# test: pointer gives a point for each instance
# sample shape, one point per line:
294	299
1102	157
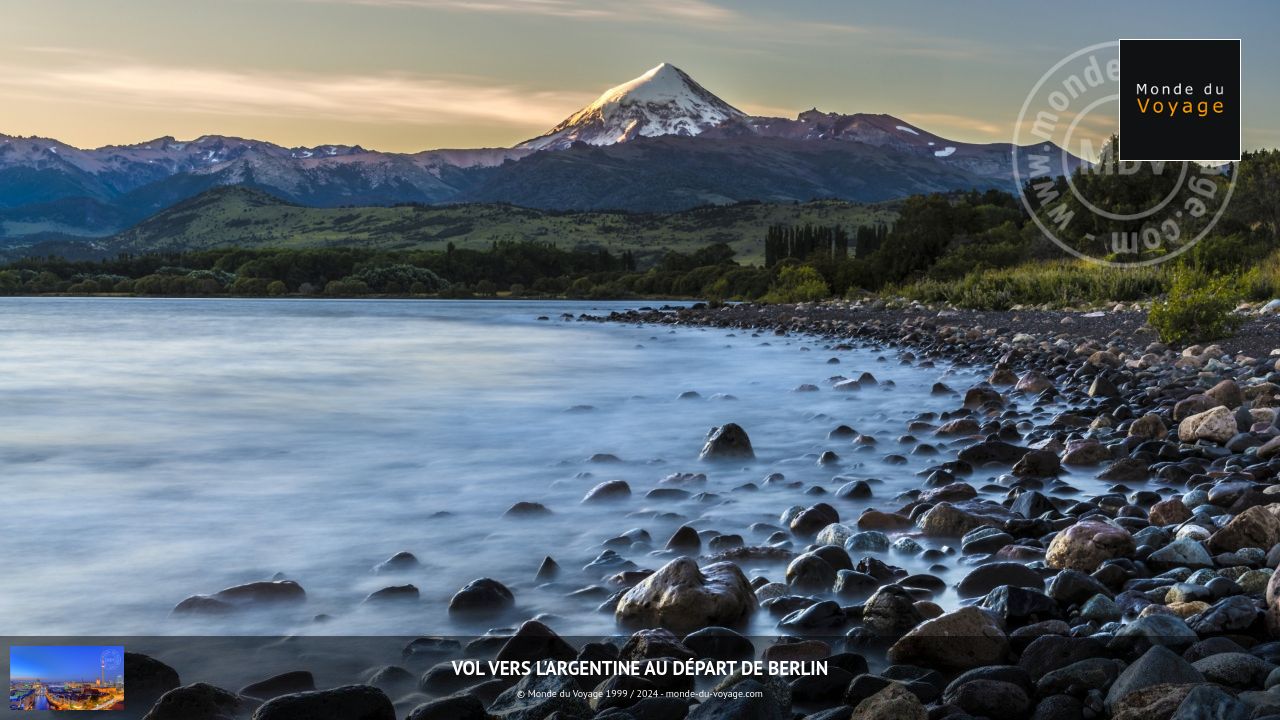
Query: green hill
243	217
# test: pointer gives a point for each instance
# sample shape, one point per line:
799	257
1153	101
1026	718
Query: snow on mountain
663	101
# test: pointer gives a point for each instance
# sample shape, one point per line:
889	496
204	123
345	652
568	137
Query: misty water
156	449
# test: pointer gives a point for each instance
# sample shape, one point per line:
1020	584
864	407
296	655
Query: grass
1056	284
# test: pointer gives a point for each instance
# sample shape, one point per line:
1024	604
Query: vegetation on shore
976	250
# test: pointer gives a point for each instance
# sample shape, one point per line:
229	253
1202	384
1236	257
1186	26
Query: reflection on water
155	449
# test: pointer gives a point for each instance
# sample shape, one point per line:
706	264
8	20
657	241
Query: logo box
1180	100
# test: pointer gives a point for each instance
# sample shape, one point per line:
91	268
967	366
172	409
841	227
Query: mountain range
658	143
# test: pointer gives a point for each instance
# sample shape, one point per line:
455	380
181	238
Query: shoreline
1074	602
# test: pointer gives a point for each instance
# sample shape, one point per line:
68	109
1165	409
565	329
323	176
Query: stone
834	534
1156	629
1048	652
890	611
727	442
456	707
1032	503
1038	463
685	539
894	702
992	451
985	578
958	640
1086	544
1217	425
719	643
880	520
854	585
350	702
1228	615
539	696
1079	677
282	684
400	562
1017	606
979	395
1181	553
746	698
254	594
867	541
1236	669
809	521
1148	427
1157	666
810	573
535	641
1100	609
995	699
1169	512
1072	587
1033	383
148	678
484	596
946	520
1206	702
1256	527
1151	703
199	701
682	597
1226	393
1085	452
608	491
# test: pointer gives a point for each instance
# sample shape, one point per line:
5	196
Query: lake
154	449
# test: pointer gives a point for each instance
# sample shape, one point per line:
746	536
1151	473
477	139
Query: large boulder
960	640
484	596
197	702
148	679
1085	545
682	597
1215	425
727	442
1256	527
249	595
351	702
1157	666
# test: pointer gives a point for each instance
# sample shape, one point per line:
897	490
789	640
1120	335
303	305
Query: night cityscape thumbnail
66	677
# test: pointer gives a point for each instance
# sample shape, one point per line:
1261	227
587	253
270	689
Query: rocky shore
1152	598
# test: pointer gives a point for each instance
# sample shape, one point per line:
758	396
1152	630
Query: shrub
798	283
346	287
277	288
398	277
1197	308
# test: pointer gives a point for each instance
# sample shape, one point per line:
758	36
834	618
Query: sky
71	662
410	75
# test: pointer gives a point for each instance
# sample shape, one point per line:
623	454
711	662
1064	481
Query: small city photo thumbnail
66	677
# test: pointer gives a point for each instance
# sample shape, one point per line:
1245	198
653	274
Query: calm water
155	449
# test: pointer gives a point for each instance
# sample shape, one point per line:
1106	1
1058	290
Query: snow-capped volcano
663	101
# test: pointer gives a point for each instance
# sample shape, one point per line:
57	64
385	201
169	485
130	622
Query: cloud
934	121
385	98
621	10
